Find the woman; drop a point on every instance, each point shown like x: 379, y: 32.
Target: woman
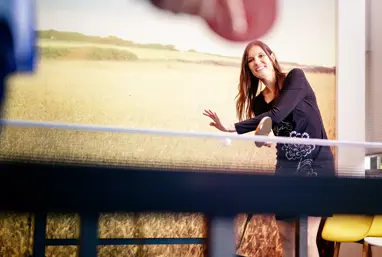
x: 289, y: 102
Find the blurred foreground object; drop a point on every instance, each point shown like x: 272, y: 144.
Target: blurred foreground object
x: 18, y: 35
x: 17, y: 39
x: 234, y: 20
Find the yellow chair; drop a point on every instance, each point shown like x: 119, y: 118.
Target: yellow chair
x: 374, y: 236
x: 347, y: 229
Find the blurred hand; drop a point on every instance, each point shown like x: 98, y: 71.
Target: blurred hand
x: 215, y: 120
x: 235, y: 20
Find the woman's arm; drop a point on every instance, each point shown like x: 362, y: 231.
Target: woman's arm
x: 294, y: 91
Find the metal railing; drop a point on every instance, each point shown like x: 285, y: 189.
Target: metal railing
x: 219, y: 195
x: 90, y: 240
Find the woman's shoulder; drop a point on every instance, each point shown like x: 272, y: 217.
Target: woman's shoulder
x: 296, y: 72
x: 296, y: 76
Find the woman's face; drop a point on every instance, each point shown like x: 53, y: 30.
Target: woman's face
x: 260, y: 64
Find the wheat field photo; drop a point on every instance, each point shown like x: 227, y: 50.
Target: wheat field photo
x: 140, y: 87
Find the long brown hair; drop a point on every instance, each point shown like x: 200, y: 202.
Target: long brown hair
x: 249, y: 84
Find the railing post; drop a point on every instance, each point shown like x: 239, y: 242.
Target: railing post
x: 221, y: 236
x: 88, y: 235
x: 39, y: 234
x: 302, y: 237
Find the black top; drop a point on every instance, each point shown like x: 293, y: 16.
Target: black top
x: 294, y: 113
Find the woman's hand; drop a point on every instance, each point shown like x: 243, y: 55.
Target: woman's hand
x: 216, y: 121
